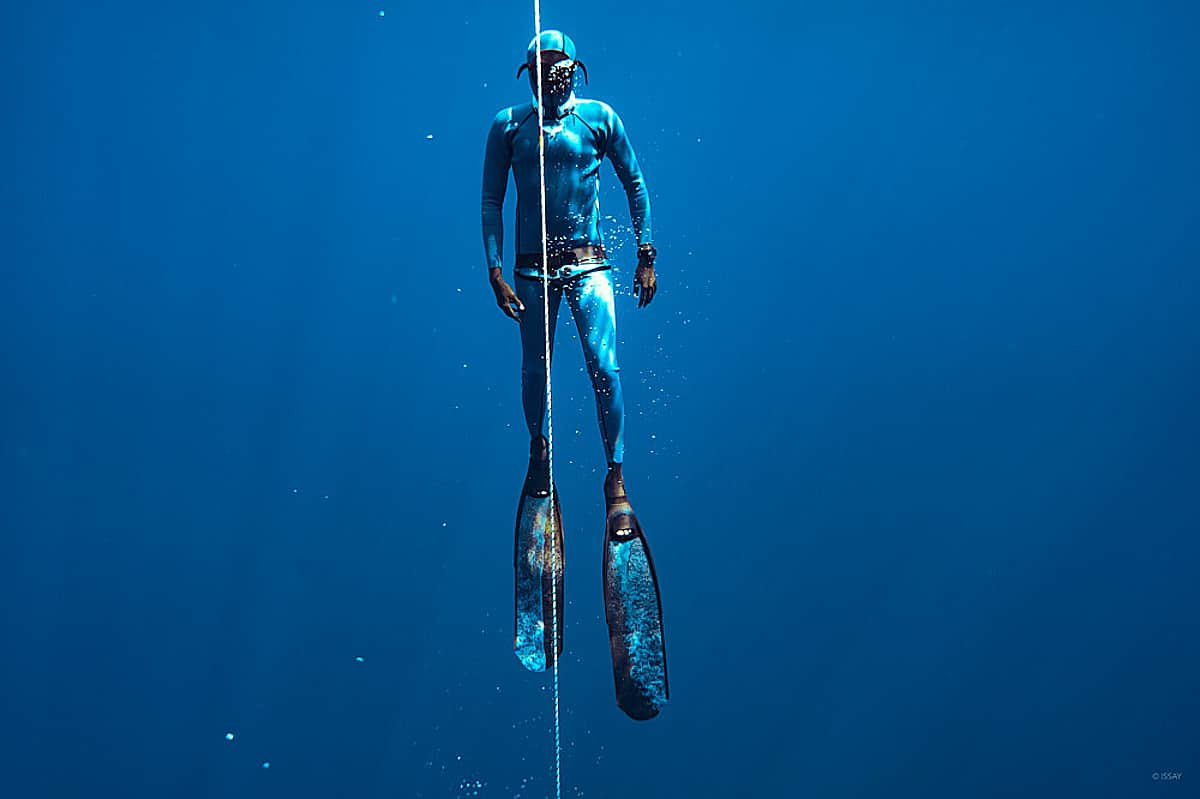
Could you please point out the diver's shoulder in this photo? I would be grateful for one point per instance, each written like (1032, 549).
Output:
(512, 115)
(594, 110)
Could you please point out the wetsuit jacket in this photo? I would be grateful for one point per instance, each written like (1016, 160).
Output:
(582, 135)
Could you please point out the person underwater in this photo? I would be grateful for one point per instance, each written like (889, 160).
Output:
(579, 134)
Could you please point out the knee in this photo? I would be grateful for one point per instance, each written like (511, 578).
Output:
(605, 372)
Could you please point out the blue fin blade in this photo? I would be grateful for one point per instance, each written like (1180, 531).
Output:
(633, 609)
(538, 572)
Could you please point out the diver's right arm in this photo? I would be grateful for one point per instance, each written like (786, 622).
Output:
(497, 160)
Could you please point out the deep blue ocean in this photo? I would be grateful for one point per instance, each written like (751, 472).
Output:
(912, 421)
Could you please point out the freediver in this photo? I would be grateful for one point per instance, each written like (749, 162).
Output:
(579, 134)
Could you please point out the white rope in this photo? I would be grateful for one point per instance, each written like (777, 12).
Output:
(552, 517)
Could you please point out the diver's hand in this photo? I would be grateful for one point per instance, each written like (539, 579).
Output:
(506, 298)
(645, 284)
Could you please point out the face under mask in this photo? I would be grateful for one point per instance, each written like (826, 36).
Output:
(558, 75)
(557, 79)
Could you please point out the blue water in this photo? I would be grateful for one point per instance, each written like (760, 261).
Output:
(912, 420)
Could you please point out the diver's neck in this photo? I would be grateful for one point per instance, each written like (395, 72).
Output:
(556, 112)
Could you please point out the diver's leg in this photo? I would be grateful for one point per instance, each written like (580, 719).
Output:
(534, 371)
(593, 306)
(632, 601)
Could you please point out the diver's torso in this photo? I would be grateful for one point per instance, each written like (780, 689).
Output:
(574, 151)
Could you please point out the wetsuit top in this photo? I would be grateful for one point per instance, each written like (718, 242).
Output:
(577, 140)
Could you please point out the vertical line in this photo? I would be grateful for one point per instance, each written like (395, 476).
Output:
(551, 518)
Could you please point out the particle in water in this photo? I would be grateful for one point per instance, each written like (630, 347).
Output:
(359, 659)
(266, 764)
(228, 736)
(381, 12)
(429, 136)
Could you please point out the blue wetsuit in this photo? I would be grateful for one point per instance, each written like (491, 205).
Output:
(578, 136)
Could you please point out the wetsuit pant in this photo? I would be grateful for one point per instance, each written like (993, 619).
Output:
(590, 297)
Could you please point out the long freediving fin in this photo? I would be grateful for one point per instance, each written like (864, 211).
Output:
(633, 610)
(539, 566)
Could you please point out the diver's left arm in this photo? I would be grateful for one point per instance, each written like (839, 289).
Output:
(620, 152)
